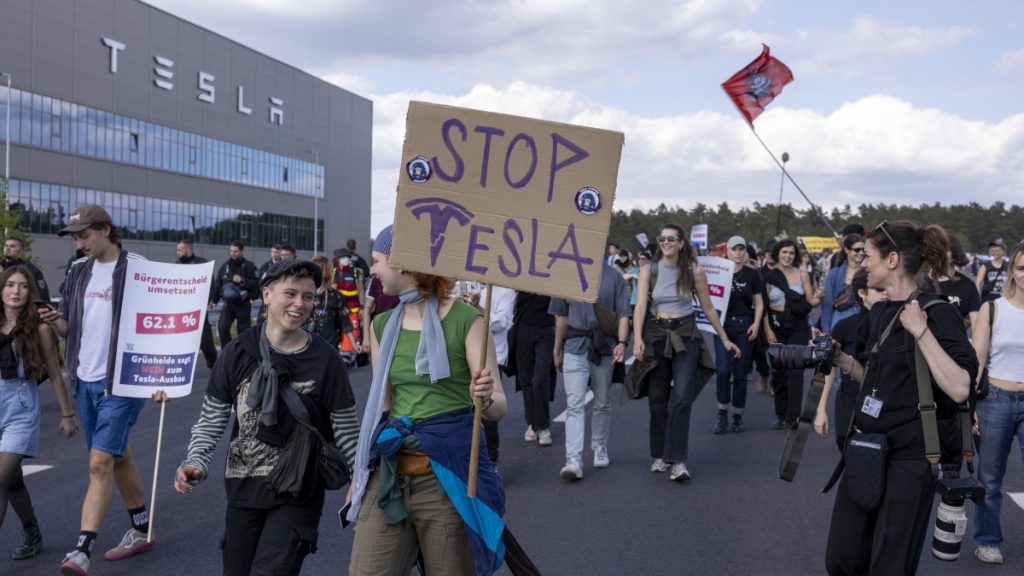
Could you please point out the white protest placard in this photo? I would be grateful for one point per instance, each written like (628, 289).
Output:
(719, 272)
(505, 200)
(699, 236)
(162, 317)
(642, 239)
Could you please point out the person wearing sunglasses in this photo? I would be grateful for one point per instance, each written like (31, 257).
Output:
(840, 297)
(669, 349)
(888, 539)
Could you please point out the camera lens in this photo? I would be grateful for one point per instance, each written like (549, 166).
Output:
(950, 527)
(787, 356)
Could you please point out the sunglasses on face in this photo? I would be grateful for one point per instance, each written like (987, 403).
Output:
(857, 250)
(663, 239)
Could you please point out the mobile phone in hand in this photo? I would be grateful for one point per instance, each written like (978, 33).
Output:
(42, 304)
(343, 513)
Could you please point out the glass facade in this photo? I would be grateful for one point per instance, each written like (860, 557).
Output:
(44, 209)
(55, 124)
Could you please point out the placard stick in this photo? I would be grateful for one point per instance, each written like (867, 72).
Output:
(478, 404)
(156, 470)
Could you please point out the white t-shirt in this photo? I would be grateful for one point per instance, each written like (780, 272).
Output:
(97, 320)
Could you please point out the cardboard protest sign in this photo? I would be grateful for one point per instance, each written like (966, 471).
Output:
(816, 244)
(642, 239)
(162, 316)
(719, 272)
(505, 200)
(699, 236)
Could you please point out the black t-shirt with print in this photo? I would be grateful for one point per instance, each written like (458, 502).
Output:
(893, 370)
(962, 293)
(995, 279)
(316, 370)
(745, 284)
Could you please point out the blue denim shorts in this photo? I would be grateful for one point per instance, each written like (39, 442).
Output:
(19, 417)
(107, 420)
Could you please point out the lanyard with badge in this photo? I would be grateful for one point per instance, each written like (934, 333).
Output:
(872, 406)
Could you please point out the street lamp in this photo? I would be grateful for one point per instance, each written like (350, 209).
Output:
(7, 135)
(316, 206)
(782, 181)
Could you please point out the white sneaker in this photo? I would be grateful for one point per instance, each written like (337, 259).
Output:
(679, 472)
(601, 457)
(572, 470)
(660, 465)
(530, 435)
(544, 437)
(989, 554)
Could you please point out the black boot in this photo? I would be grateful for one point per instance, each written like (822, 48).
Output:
(737, 423)
(33, 542)
(723, 422)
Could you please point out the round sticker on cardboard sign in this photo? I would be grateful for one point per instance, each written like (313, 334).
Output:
(418, 169)
(588, 200)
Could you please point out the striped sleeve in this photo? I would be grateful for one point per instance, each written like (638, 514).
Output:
(346, 433)
(213, 420)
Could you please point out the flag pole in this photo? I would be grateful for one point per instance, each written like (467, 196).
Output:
(478, 404)
(782, 166)
(156, 469)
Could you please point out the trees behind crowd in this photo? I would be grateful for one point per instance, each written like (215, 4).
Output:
(974, 224)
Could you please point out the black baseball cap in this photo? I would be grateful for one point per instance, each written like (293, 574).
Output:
(997, 242)
(290, 268)
(853, 229)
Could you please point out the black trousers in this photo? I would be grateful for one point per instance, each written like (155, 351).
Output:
(229, 313)
(207, 346)
(271, 542)
(887, 541)
(788, 385)
(535, 348)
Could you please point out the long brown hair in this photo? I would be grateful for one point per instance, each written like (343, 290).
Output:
(921, 249)
(685, 280)
(26, 329)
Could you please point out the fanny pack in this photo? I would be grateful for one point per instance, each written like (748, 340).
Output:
(845, 300)
(866, 456)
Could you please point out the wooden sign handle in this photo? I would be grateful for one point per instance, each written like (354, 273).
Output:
(478, 404)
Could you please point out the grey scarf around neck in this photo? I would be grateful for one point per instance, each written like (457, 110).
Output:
(263, 385)
(431, 359)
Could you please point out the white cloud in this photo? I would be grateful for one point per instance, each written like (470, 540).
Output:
(875, 149)
(1010, 61)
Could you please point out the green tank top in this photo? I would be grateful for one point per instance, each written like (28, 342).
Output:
(414, 396)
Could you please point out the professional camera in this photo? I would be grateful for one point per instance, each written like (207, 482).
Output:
(951, 519)
(790, 356)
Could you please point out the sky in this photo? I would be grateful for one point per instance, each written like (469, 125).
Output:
(905, 102)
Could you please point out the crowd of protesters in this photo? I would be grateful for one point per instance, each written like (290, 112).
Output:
(286, 380)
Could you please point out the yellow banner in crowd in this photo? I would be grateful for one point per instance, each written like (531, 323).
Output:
(816, 244)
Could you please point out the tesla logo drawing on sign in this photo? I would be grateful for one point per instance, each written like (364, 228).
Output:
(163, 72)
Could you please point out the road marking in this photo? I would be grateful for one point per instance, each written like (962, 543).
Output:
(586, 400)
(1018, 497)
(33, 468)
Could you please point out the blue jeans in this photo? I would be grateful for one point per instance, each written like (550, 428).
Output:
(577, 371)
(732, 372)
(1001, 418)
(106, 419)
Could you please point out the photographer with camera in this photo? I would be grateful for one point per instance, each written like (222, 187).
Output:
(884, 500)
(790, 300)
(999, 338)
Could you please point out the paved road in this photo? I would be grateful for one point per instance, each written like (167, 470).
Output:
(734, 518)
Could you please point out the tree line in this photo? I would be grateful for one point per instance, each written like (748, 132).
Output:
(975, 225)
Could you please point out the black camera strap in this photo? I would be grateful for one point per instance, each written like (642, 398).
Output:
(796, 440)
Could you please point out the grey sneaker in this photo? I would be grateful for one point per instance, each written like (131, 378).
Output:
(679, 472)
(544, 437)
(572, 470)
(660, 465)
(76, 563)
(530, 435)
(134, 542)
(601, 457)
(989, 554)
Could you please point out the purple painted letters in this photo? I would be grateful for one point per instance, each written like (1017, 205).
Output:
(440, 211)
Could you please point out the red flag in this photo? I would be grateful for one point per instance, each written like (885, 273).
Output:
(754, 87)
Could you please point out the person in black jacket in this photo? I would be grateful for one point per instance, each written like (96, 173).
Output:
(788, 291)
(186, 255)
(889, 539)
(14, 248)
(236, 283)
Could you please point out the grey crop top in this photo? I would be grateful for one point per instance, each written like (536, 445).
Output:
(666, 294)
